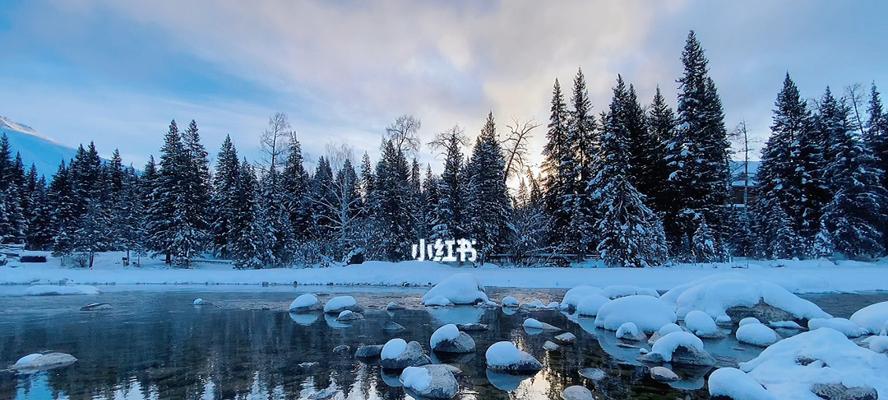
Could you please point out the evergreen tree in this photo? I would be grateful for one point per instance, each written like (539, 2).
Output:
(489, 208)
(91, 235)
(296, 189)
(559, 168)
(393, 224)
(452, 188)
(196, 188)
(40, 224)
(224, 196)
(431, 200)
(661, 127)
(584, 142)
(322, 195)
(64, 217)
(877, 132)
(128, 224)
(250, 239)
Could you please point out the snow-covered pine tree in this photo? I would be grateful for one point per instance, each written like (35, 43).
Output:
(64, 219)
(296, 188)
(585, 144)
(452, 186)
(127, 216)
(643, 147)
(91, 235)
(224, 199)
(40, 231)
(273, 202)
(855, 216)
(630, 233)
(13, 222)
(703, 243)
(417, 200)
(489, 208)
(431, 200)
(168, 211)
(322, 194)
(784, 242)
(661, 127)
(559, 168)
(877, 132)
(393, 224)
(528, 223)
(251, 239)
(196, 193)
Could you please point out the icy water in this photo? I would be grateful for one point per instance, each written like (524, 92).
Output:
(157, 345)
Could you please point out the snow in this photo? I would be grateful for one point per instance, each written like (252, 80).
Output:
(629, 331)
(668, 328)
(38, 361)
(44, 153)
(735, 384)
(757, 335)
(791, 366)
(535, 304)
(847, 327)
(667, 345)
(339, 303)
(879, 344)
(510, 301)
(439, 301)
(198, 301)
(304, 301)
(573, 296)
(648, 313)
(446, 332)
(416, 378)
(393, 348)
(531, 323)
(589, 305)
(53, 290)
(617, 291)
(873, 317)
(505, 354)
(749, 320)
(701, 324)
(716, 294)
(460, 288)
(785, 325)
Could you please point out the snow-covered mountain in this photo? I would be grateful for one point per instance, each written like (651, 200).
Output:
(35, 148)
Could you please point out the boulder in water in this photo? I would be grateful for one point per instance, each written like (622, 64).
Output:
(40, 362)
(430, 381)
(305, 303)
(397, 354)
(505, 357)
(449, 339)
(663, 374)
(96, 307)
(368, 351)
(577, 392)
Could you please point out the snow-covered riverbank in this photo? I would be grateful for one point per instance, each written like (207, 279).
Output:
(796, 276)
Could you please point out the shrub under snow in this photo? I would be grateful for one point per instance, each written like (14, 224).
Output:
(646, 312)
(460, 288)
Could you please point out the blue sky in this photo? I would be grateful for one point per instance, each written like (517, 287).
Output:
(117, 71)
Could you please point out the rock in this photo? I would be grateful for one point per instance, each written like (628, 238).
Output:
(39, 362)
(305, 303)
(430, 381)
(549, 346)
(510, 301)
(592, 374)
(577, 392)
(761, 311)
(199, 302)
(355, 256)
(629, 331)
(566, 338)
(342, 348)
(838, 391)
(680, 348)
(505, 357)
(448, 339)
(663, 374)
(96, 307)
(368, 351)
(531, 324)
(393, 307)
(348, 315)
(398, 354)
(324, 394)
(472, 327)
(392, 327)
(339, 304)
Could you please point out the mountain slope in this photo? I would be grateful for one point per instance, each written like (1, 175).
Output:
(44, 153)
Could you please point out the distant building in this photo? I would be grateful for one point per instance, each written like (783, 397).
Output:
(741, 187)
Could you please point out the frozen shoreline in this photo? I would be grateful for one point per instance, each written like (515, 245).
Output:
(810, 276)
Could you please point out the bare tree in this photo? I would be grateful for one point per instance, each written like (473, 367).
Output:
(445, 141)
(275, 138)
(741, 136)
(403, 133)
(855, 95)
(515, 146)
(344, 202)
(337, 154)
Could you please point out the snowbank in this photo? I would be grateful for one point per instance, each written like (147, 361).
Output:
(589, 305)
(792, 366)
(715, 295)
(701, 324)
(735, 384)
(617, 291)
(648, 313)
(757, 334)
(461, 288)
(574, 295)
(879, 344)
(505, 357)
(305, 302)
(847, 327)
(53, 290)
(873, 317)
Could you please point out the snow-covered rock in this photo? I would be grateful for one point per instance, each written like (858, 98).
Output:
(734, 384)
(663, 374)
(573, 296)
(629, 331)
(790, 368)
(96, 307)
(879, 344)
(550, 346)
(566, 338)
(663, 331)
(55, 290)
(553, 305)
(531, 323)
(749, 320)
(873, 317)
(430, 381)
(577, 392)
(460, 288)
(304, 303)
(397, 354)
(339, 304)
(679, 348)
(199, 302)
(592, 374)
(368, 351)
(39, 362)
(392, 306)
(757, 335)
(647, 312)
(838, 391)
(791, 325)
(472, 327)
(716, 295)
(617, 291)
(588, 306)
(702, 325)
(449, 339)
(535, 304)
(437, 301)
(349, 315)
(844, 325)
(505, 357)
(510, 301)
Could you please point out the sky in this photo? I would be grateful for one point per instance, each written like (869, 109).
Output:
(117, 72)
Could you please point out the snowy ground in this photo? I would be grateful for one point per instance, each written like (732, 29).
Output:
(796, 276)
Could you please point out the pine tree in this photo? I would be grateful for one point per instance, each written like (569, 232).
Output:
(40, 230)
(430, 203)
(322, 195)
(278, 218)
(393, 224)
(559, 168)
(196, 191)
(92, 234)
(224, 199)
(584, 142)
(661, 126)
(528, 222)
(296, 188)
(250, 237)
(64, 217)
(877, 132)
(452, 188)
(127, 216)
(489, 208)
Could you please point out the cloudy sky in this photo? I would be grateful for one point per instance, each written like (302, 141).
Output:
(116, 72)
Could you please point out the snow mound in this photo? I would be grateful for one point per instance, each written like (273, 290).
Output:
(589, 305)
(198, 302)
(446, 332)
(510, 301)
(430, 381)
(792, 367)
(531, 323)
(873, 317)
(663, 331)
(38, 362)
(617, 291)
(714, 295)
(339, 304)
(449, 339)
(847, 327)
(349, 315)
(749, 320)
(572, 298)
(305, 302)
(757, 335)
(879, 344)
(460, 288)
(648, 313)
(439, 301)
(53, 290)
(393, 348)
(792, 325)
(505, 357)
(397, 354)
(701, 324)
(735, 384)
(667, 345)
(629, 331)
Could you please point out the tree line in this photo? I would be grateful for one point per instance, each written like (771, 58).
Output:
(636, 185)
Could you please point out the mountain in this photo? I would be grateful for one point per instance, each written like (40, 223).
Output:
(45, 153)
